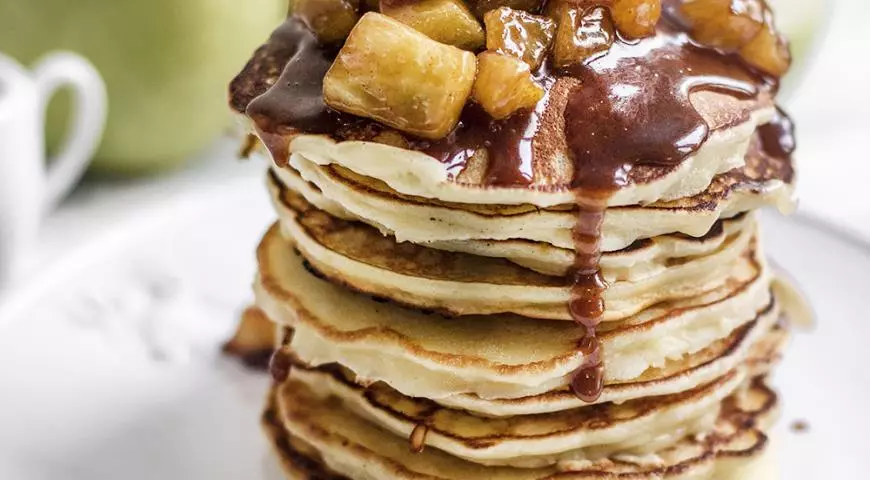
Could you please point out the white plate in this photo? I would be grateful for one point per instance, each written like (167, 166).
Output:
(109, 366)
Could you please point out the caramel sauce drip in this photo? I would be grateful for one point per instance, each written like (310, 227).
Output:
(631, 108)
(777, 136)
(280, 364)
(417, 439)
(508, 142)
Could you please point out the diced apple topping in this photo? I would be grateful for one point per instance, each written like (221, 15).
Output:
(636, 18)
(724, 24)
(390, 72)
(330, 20)
(768, 51)
(481, 7)
(504, 85)
(447, 21)
(580, 36)
(519, 34)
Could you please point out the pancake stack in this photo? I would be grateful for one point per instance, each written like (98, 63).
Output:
(518, 240)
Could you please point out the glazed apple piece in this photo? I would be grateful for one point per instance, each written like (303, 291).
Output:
(330, 20)
(481, 7)
(580, 36)
(447, 21)
(724, 24)
(389, 72)
(504, 85)
(519, 34)
(636, 18)
(768, 51)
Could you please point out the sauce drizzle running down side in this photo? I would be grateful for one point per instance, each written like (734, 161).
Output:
(777, 136)
(282, 359)
(631, 108)
(508, 142)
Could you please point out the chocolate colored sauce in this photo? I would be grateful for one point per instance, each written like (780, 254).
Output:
(508, 142)
(280, 364)
(777, 137)
(630, 108)
(294, 103)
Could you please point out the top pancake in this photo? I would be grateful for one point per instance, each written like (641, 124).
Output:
(761, 179)
(373, 150)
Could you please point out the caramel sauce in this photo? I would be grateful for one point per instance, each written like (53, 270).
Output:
(508, 142)
(294, 103)
(280, 364)
(777, 136)
(629, 106)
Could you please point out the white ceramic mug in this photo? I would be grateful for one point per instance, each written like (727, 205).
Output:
(30, 186)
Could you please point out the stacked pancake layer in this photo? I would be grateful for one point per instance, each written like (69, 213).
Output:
(458, 344)
(422, 311)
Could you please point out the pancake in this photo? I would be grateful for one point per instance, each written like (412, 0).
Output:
(730, 120)
(641, 426)
(764, 180)
(324, 437)
(574, 289)
(756, 346)
(640, 259)
(359, 257)
(426, 355)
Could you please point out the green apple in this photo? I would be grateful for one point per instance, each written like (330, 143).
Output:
(166, 64)
(802, 23)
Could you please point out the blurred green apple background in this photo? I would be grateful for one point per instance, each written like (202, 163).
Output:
(803, 23)
(166, 64)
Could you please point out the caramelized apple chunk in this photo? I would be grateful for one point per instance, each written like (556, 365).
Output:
(481, 7)
(389, 72)
(580, 35)
(447, 21)
(768, 51)
(504, 85)
(724, 24)
(330, 20)
(519, 34)
(636, 18)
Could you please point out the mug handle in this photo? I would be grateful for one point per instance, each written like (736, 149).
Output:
(86, 124)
